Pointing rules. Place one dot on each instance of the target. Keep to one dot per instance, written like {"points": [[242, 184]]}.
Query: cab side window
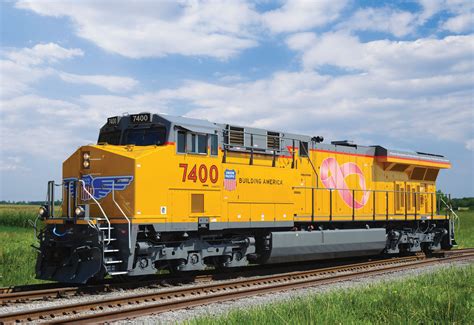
{"points": [[196, 143], [181, 145], [202, 143], [214, 144], [303, 149]]}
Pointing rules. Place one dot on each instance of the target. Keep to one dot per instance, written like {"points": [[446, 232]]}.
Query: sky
{"points": [[397, 74]]}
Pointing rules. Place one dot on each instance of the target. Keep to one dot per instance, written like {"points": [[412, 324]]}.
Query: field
{"points": [[17, 257], [464, 229], [438, 298]]}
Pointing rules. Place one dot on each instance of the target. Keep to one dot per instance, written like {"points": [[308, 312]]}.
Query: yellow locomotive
{"points": [[164, 192]]}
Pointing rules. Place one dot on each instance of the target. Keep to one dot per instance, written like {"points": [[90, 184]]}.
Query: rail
{"points": [[409, 204]]}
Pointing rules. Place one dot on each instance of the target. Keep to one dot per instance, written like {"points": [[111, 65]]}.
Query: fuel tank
{"points": [[292, 246]]}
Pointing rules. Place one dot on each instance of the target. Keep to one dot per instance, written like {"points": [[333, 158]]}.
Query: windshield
{"points": [[145, 137], [112, 137]]}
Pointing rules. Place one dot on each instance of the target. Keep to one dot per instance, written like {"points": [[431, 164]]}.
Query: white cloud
{"points": [[42, 134], [357, 106], [16, 78], [42, 53], [301, 41], [10, 164], [421, 57], [21, 68], [404, 23], [386, 19], [111, 83], [159, 28], [300, 15], [462, 12], [460, 23], [430, 8]]}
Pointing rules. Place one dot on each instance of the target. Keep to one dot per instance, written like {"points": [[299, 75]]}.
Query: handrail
{"points": [[412, 211], [100, 207], [225, 130], [360, 190], [128, 220], [227, 145], [450, 208]]}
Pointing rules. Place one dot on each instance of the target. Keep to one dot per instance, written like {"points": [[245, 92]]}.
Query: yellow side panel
{"points": [[262, 212], [283, 212], [238, 212], [180, 203]]}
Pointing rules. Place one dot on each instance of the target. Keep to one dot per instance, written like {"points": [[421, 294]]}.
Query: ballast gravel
{"points": [[217, 309], [221, 308]]}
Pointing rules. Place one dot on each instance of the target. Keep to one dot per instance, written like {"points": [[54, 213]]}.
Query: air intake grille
{"points": [[236, 136], [273, 140]]}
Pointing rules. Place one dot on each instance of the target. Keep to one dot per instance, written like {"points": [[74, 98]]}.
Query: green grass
{"points": [[17, 215], [464, 230], [443, 297], [17, 257]]}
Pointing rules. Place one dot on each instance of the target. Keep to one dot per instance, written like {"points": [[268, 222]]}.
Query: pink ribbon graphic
{"points": [[334, 176]]}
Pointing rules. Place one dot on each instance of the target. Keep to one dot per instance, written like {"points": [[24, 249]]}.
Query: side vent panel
{"points": [[273, 140], [236, 136]]}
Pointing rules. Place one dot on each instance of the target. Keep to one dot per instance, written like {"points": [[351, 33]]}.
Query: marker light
{"points": [[79, 211], [86, 156], [86, 163]]}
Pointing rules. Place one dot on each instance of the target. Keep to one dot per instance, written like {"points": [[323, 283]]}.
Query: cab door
{"points": [[400, 199], [410, 189], [421, 199], [302, 195]]}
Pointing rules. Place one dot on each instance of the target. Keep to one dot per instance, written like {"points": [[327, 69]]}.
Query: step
{"points": [[111, 239], [111, 250], [118, 273], [106, 228], [113, 262]]}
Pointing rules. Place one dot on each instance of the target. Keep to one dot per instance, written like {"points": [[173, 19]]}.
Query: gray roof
{"points": [[192, 124]]}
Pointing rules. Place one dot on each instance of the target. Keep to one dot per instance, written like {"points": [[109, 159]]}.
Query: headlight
{"points": [[86, 156], [43, 211], [79, 211]]}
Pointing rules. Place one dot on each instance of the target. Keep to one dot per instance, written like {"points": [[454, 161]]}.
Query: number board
{"points": [[113, 120], [140, 118]]}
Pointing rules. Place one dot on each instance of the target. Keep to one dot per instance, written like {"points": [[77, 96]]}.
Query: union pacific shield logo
{"points": [[230, 180]]}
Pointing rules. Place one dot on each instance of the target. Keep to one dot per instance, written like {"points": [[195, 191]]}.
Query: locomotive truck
{"points": [[162, 192]]}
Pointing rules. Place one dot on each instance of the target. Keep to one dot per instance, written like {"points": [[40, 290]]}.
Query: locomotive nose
{"points": [[98, 175]]}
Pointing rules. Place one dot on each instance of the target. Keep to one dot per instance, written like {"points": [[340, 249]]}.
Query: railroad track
{"points": [[51, 291], [177, 298]]}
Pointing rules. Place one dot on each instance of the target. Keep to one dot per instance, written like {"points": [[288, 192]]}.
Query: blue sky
{"points": [[398, 74]]}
